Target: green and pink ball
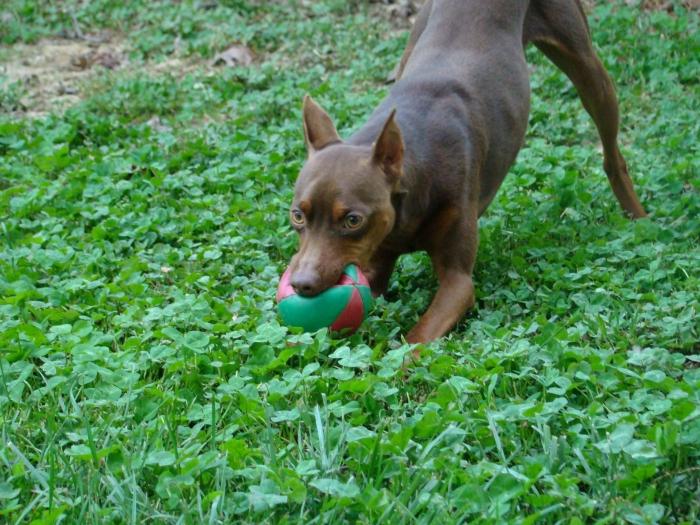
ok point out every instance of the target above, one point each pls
(341, 308)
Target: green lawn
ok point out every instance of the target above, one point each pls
(144, 375)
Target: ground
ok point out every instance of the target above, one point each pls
(144, 375)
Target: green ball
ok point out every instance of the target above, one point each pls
(341, 308)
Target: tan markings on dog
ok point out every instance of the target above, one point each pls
(381, 225)
(339, 211)
(305, 206)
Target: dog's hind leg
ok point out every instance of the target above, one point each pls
(560, 30)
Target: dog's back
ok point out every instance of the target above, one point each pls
(454, 121)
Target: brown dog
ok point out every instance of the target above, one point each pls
(431, 157)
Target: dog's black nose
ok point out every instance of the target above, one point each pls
(306, 282)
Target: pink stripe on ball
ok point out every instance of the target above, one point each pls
(353, 314)
(345, 280)
(285, 287)
(361, 279)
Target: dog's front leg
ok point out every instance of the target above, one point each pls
(452, 248)
(454, 297)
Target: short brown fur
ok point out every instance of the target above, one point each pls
(431, 157)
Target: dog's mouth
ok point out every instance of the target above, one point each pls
(310, 280)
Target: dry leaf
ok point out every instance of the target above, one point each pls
(83, 61)
(235, 56)
(106, 59)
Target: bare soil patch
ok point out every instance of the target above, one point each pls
(55, 73)
(52, 72)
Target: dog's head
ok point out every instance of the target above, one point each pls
(342, 207)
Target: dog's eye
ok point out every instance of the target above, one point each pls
(353, 221)
(298, 218)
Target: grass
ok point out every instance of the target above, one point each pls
(144, 376)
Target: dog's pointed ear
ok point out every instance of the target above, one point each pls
(319, 130)
(387, 151)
